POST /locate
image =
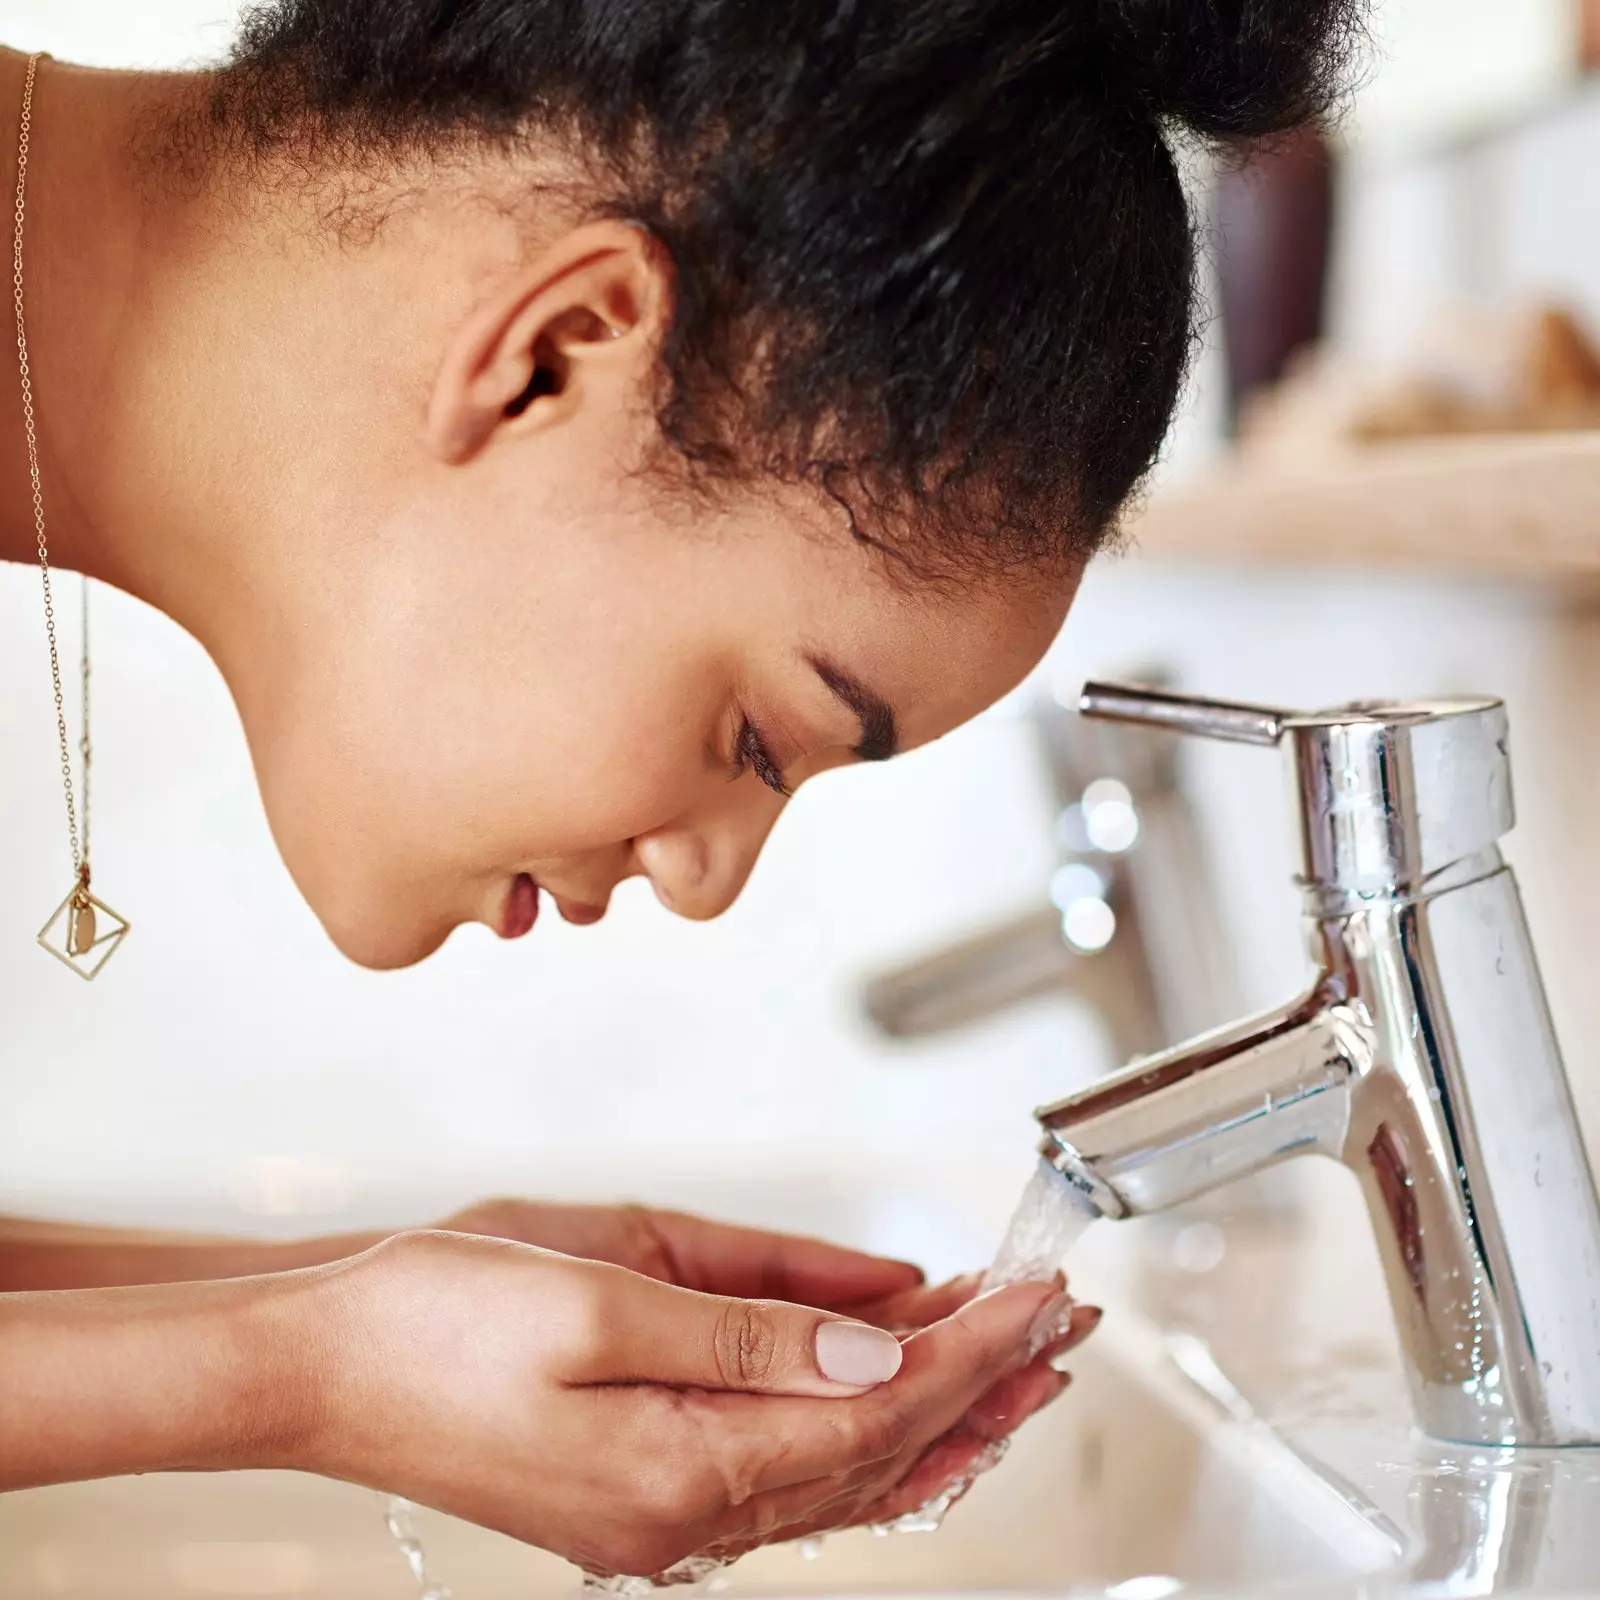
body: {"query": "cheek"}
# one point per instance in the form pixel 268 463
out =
pixel 612 745
pixel 531 697
pixel 437 758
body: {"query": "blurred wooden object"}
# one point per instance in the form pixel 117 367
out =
pixel 1551 381
pixel 1525 505
pixel 1471 370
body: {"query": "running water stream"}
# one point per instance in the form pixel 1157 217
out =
pixel 1049 1219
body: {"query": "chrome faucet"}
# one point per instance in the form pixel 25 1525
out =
pixel 1421 1055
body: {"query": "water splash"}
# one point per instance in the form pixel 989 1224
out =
pixel 1050 1218
pixel 688 1573
pixel 399 1517
pixel 929 1518
pixel 696 1572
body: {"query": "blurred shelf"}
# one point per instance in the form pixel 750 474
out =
pixel 1523 505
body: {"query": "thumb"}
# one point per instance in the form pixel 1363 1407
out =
pixel 657 1333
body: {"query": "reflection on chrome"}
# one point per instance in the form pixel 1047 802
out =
pixel 1458 1520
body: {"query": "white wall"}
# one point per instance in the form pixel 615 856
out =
pixel 1442 68
pixel 253 1063
pixel 109 33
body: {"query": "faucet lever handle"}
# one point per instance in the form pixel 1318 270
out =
pixel 1184 713
pixel 1388 792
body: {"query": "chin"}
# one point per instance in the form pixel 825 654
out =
pixel 365 919
pixel 382 945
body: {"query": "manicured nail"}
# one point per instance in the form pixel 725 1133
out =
pixel 853 1353
pixel 1050 1321
pixel 1085 1319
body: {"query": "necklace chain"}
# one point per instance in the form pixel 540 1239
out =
pixel 80 854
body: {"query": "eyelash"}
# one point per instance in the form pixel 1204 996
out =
pixel 751 754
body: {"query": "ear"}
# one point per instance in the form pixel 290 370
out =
pixel 591 308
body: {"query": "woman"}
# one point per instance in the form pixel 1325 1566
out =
pixel 569 428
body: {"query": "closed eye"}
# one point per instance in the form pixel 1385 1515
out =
pixel 752 754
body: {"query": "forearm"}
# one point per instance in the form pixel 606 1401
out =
pixel 57 1255
pixel 200 1376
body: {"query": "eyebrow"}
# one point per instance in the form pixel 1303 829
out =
pixel 880 733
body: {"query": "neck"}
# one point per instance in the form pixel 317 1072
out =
pixel 94 232
pixel 181 331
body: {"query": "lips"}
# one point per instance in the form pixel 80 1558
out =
pixel 521 909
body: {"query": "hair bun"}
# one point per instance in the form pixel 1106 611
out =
pixel 1229 68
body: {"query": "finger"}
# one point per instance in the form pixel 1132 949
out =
pixel 795 1456
pixel 639 1330
pixel 950 1466
pixel 945 1473
pixel 721 1258
pixel 916 1308
pixel 955 1461
pixel 1014 1399
pixel 988 1423
pixel 952 1364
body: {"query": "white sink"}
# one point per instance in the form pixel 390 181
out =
pixel 1137 1472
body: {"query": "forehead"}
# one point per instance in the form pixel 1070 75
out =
pixel 939 651
pixel 943 662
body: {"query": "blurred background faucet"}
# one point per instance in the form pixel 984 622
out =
pixel 1131 920
pixel 1421 1054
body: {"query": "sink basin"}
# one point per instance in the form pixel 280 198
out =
pixel 1153 1470
pixel 1152 1467
pixel 1135 1473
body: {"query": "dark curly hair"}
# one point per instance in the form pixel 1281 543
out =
pixel 933 255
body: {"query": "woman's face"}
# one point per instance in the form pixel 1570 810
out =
pixel 537 666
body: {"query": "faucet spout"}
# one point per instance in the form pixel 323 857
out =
pixel 1173 1126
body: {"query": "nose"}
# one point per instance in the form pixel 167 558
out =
pixel 698 863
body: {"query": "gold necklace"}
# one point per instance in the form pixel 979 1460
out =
pixel 83 932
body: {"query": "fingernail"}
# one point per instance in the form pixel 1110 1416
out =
pixel 853 1353
pixel 1085 1319
pixel 1050 1321
pixel 1083 1322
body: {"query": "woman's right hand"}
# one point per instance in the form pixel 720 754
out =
pixel 626 1423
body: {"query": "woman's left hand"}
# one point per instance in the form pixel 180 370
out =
pixel 714 1257
pixel 722 1258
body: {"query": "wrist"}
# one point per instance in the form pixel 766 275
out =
pixel 202 1376
pixel 51 1256
pixel 283 1352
